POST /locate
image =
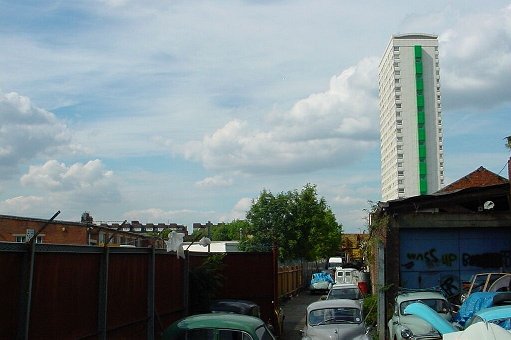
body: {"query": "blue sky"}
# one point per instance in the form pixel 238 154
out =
pixel 184 111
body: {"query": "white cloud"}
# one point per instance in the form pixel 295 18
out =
pixel 213 182
pixel 57 176
pixel 475 59
pixel 26 132
pixel 238 212
pixel 326 129
pixel 22 204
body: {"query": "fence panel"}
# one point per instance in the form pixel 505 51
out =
pixel 64 295
pixel 11 265
pixel 169 289
pixel 127 295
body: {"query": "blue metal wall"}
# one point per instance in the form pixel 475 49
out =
pixel 447 257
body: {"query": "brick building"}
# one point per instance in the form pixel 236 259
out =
pixel 22 229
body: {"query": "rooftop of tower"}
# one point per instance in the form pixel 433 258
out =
pixel 415 36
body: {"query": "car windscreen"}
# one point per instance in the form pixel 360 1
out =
pixel 351 293
pixel 325 316
pixel 264 333
pixel 438 305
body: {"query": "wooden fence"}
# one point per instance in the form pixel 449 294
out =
pixel 293 278
pixel 86 292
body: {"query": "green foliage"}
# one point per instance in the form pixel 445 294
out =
pixel 298 222
pixel 371 310
pixel 377 230
pixel 229 231
pixel 205 280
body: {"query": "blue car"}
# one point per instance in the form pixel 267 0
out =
pixel 499 315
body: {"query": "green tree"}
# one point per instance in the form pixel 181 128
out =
pixel 229 231
pixel 300 223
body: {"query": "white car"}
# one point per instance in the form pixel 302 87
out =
pixel 338 319
pixel 405 326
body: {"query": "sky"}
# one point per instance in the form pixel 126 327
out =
pixel 184 111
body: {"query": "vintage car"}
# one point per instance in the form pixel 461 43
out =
pixel 218 326
pixel 478 301
pixel 247 307
pixel 321 282
pixel 480 331
pixel 499 315
pixel 344 291
pixel 338 319
pixel 404 326
pixel 236 306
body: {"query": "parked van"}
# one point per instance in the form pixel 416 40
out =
pixel 334 262
pixel 353 276
pixel 347 275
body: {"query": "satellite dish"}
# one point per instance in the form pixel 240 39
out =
pixel 488 205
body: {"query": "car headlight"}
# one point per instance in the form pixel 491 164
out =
pixel 406 333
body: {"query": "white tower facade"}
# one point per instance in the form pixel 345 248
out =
pixel 410 117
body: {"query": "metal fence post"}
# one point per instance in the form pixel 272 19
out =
pixel 30 278
pixel 150 294
pixel 103 293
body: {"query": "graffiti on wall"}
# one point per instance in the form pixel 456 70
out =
pixel 431 258
pixel 450 285
pixel 487 260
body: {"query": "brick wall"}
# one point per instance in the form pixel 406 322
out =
pixel 56 232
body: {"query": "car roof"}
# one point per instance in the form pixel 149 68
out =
pixel 333 304
pixel 492 313
pixel 234 306
pixel 220 320
pixel 419 296
pixel 344 285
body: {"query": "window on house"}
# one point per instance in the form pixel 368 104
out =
pixel 23 239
